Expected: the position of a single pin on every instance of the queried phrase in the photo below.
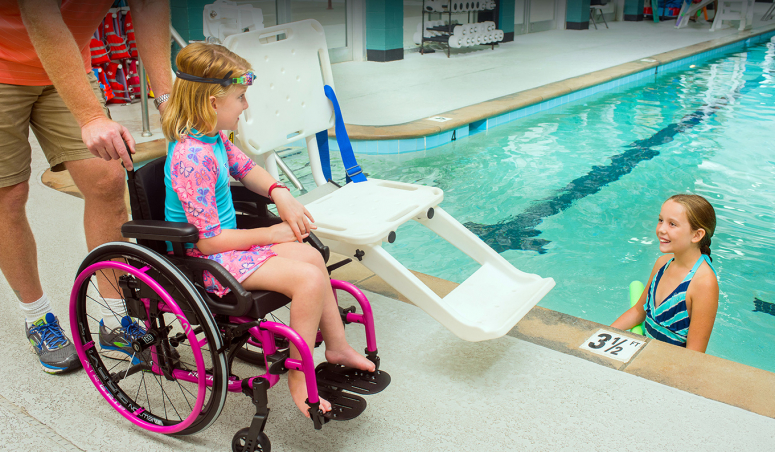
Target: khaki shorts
(55, 127)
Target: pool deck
(533, 389)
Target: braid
(705, 247)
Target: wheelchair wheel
(240, 440)
(170, 376)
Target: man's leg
(102, 185)
(19, 259)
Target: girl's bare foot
(350, 358)
(298, 388)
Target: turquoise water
(574, 192)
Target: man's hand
(106, 139)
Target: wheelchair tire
(177, 385)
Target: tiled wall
(384, 30)
(422, 143)
(186, 17)
(577, 14)
(633, 10)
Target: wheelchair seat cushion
(264, 302)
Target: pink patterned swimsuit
(197, 179)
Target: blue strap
(351, 167)
(325, 159)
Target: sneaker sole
(117, 353)
(53, 370)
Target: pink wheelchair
(186, 339)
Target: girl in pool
(208, 97)
(680, 302)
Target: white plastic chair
(688, 10)
(738, 10)
(287, 102)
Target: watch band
(160, 99)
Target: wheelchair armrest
(315, 242)
(243, 297)
(176, 232)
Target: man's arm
(151, 19)
(63, 64)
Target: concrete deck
(530, 390)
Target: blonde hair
(189, 106)
(701, 215)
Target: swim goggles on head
(246, 79)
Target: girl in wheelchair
(207, 98)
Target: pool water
(574, 192)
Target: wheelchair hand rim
(174, 309)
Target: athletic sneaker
(55, 351)
(117, 343)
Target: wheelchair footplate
(344, 405)
(340, 386)
(349, 379)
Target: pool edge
(422, 134)
(708, 376)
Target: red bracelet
(276, 185)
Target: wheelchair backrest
(147, 192)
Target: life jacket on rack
(129, 30)
(120, 91)
(116, 44)
(104, 84)
(99, 54)
(133, 79)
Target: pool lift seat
(293, 98)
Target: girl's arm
(258, 180)
(193, 175)
(243, 239)
(703, 295)
(637, 314)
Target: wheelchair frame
(167, 294)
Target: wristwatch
(160, 99)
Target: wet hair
(701, 215)
(189, 106)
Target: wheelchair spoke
(195, 403)
(184, 396)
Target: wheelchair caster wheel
(240, 441)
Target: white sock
(113, 310)
(35, 310)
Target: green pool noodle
(636, 289)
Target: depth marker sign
(613, 345)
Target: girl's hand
(282, 233)
(293, 214)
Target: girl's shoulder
(661, 262)
(705, 276)
(191, 148)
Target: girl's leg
(338, 351)
(303, 284)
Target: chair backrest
(147, 192)
(286, 101)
